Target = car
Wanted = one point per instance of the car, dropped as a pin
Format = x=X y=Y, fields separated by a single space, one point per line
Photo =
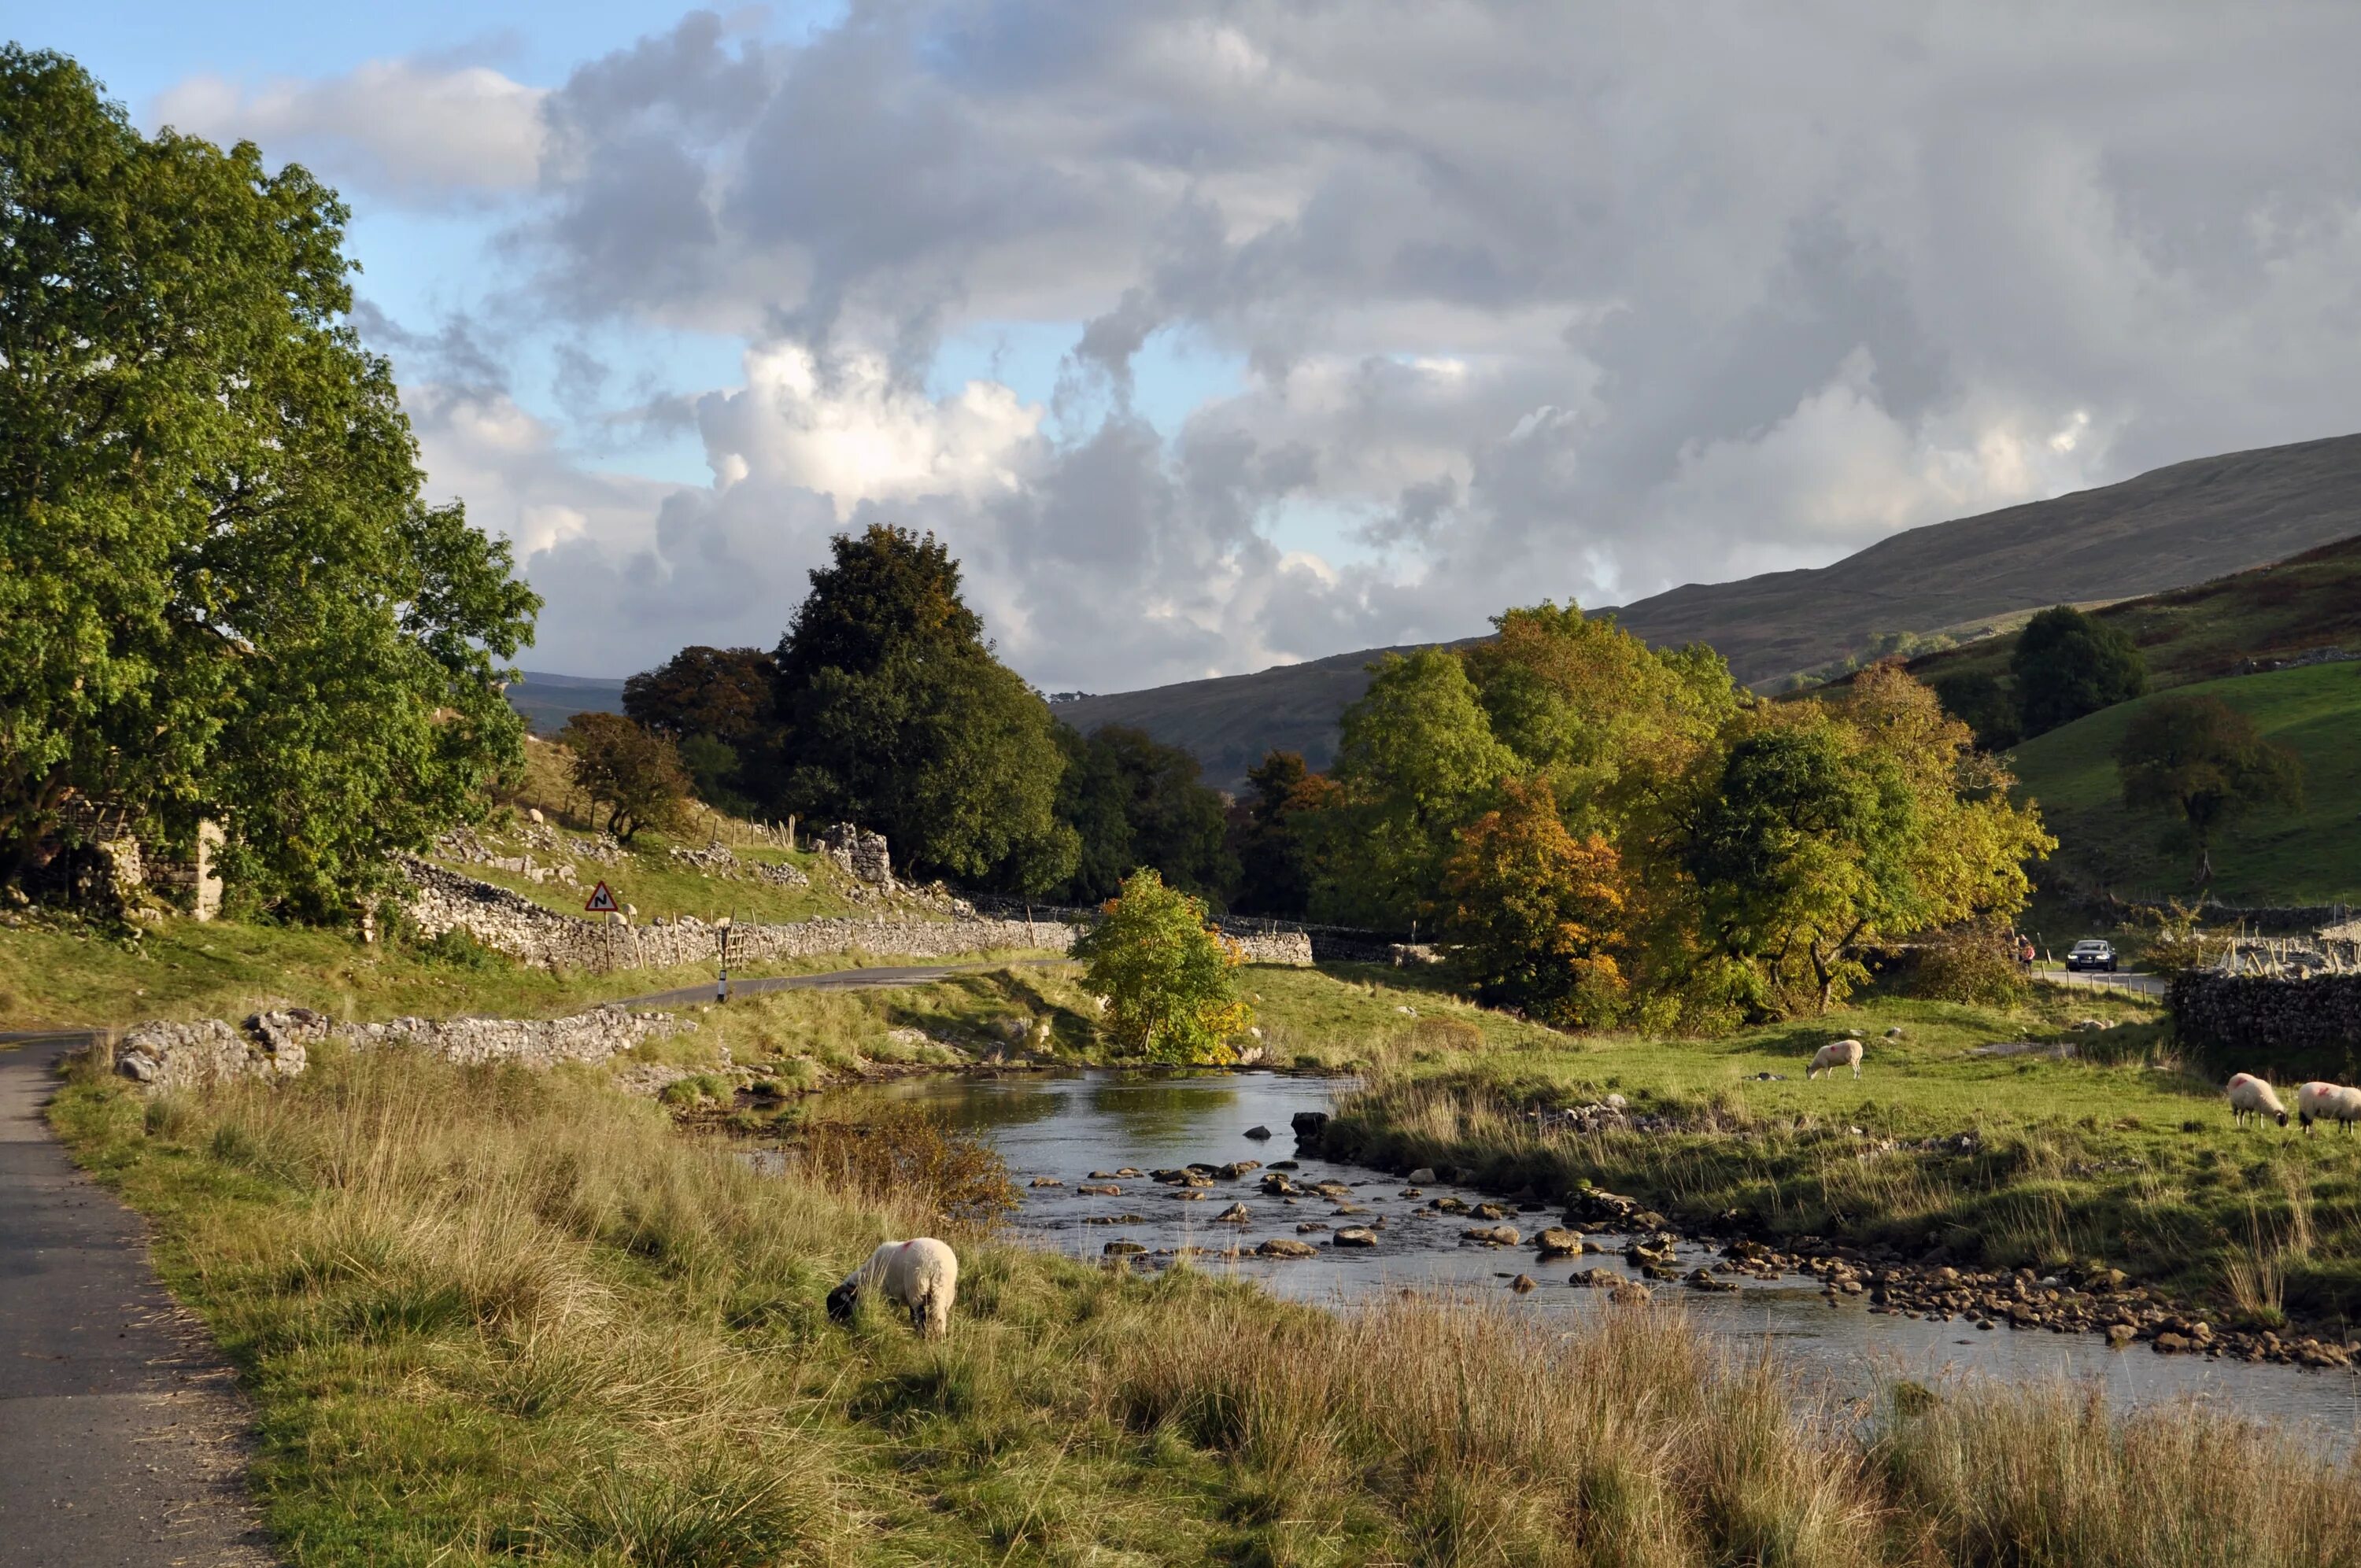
x=2092 y=953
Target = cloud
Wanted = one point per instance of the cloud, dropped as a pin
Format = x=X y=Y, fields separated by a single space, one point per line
x=1532 y=300
x=415 y=131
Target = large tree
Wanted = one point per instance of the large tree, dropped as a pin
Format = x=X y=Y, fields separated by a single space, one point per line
x=1170 y=978
x=220 y=594
x=1134 y=802
x=2200 y=762
x=896 y=715
x=1535 y=915
x=1273 y=839
x=1418 y=763
x=2067 y=665
x=716 y=705
x=632 y=771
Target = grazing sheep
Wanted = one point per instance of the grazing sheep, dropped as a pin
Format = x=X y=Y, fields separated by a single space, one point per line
x=1834 y=1055
x=921 y=1275
x=2318 y=1101
x=2250 y=1096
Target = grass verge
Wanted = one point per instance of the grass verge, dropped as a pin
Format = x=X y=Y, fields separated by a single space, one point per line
x=489 y=1316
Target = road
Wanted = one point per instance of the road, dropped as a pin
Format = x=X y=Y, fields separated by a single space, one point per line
x=2138 y=985
x=122 y=1436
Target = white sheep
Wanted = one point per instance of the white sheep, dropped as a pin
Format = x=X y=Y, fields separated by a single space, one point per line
x=2251 y=1096
x=921 y=1275
x=2318 y=1101
x=1834 y=1055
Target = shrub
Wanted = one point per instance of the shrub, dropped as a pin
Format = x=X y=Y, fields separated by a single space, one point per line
x=911 y=1155
x=1972 y=966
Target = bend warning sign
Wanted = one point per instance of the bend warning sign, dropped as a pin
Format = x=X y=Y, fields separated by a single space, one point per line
x=603 y=902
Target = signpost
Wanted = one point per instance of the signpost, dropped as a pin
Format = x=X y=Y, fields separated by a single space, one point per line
x=603 y=902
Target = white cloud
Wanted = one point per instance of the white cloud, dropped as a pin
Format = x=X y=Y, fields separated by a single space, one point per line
x=409 y=130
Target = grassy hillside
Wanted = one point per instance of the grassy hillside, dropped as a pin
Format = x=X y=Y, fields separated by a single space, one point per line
x=547 y=701
x=2311 y=856
x=2187 y=523
x=2211 y=629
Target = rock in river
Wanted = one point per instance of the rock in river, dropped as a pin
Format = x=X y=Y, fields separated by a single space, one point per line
x=1257 y=1131
x=1236 y=1214
x=1355 y=1235
x=1286 y=1247
x=1491 y=1235
x=1121 y=1249
x=1558 y=1242
x=1524 y=1282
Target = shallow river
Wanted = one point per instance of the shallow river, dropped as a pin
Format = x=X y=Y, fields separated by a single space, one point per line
x=1067 y=1126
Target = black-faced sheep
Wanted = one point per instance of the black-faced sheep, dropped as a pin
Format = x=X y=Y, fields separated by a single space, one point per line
x=921 y=1275
x=2250 y=1096
x=1834 y=1055
x=2318 y=1101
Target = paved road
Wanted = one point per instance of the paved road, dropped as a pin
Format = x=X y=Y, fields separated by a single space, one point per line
x=879 y=978
x=121 y=1434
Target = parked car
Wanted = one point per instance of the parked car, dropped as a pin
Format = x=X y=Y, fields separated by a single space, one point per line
x=2092 y=953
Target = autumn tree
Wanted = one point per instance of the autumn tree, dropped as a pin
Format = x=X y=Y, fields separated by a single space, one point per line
x=1820 y=830
x=716 y=705
x=1418 y=763
x=221 y=592
x=2067 y=663
x=2202 y=763
x=633 y=771
x=1535 y=915
x=1167 y=976
x=895 y=714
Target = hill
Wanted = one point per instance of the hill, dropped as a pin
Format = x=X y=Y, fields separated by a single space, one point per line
x=2310 y=856
x=2211 y=629
x=547 y=701
x=2167 y=528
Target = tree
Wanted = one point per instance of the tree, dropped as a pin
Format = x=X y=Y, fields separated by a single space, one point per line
x=1417 y=762
x=1536 y=914
x=221 y=595
x=717 y=705
x=2067 y=663
x=1270 y=837
x=1133 y=802
x=1977 y=699
x=1167 y=977
x=1817 y=831
x=896 y=715
x=2203 y=763
x=633 y=772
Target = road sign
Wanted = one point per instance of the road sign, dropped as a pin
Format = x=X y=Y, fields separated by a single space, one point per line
x=603 y=902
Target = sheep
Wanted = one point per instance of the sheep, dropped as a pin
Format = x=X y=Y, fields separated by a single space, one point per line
x=2318 y=1101
x=1834 y=1055
x=2251 y=1096
x=921 y=1275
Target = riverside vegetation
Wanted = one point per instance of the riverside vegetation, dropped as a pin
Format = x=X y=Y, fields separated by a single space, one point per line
x=490 y=1315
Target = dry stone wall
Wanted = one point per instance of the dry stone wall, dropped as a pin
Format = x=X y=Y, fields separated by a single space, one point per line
x=444 y=900
x=2286 y=1030
x=276 y=1045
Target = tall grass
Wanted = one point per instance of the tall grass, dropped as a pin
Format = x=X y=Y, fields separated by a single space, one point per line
x=489 y=1316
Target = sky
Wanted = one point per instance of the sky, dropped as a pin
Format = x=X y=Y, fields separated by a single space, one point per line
x=1214 y=335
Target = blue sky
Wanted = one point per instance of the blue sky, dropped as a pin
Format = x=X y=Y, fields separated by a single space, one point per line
x=1224 y=332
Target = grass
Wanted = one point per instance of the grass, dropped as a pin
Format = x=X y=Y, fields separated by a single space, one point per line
x=2118 y=1156
x=489 y=1316
x=2309 y=856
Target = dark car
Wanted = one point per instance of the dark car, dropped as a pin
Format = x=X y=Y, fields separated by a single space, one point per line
x=2093 y=953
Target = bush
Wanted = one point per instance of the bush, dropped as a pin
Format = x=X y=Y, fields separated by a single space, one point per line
x=1974 y=966
x=910 y=1155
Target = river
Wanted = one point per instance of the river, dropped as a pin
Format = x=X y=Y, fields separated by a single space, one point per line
x=1065 y=1127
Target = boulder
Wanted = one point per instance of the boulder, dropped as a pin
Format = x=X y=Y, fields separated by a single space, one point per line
x=1522 y=1283
x=1236 y=1214
x=1090 y=1191
x=1355 y=1235
x=1046 y=1181
x=1699 y=1279
x=1286 y=1247
x=1309 y=1126
x=1121 y=1249
x=1423 y=1176
x=1629 y=1293
x=1257 y=1132
x=1491 y=1235
x=1237 y=1168
x=1558 y=1242
x=1595 y=1278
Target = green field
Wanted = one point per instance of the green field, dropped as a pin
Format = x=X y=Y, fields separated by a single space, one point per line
x=2309 y=856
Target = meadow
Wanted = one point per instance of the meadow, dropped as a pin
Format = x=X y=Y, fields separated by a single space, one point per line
x=489 y=1316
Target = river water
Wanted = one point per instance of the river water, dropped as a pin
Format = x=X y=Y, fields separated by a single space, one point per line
x=1066 y=1126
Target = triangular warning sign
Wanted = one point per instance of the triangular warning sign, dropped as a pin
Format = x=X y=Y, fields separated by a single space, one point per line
x=603 y=902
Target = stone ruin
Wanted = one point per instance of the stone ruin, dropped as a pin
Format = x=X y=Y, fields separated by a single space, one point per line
x=862 y=854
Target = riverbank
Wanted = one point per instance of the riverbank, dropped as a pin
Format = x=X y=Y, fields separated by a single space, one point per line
x=486 y=1312
x=2070 y=1151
